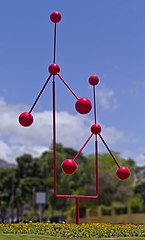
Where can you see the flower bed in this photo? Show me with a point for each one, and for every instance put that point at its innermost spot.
(73, 230)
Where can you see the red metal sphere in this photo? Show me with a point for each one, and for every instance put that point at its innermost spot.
(123, 172)
(25, 119)
(83, 105)
(93, 80)
(95, 129)
(54, 69)
(55, 17)
(69, 166)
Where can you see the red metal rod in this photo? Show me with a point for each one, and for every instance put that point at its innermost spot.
(40, 93)
(96, 156)
(54, 47)
(54, 152)
(67, 86)
(77, 210)
(75, 196)
(95, 111)
(83, 146)
(54, 116)
(54, 134)
(109, 151)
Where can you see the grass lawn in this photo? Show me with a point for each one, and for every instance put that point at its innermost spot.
(40, 237)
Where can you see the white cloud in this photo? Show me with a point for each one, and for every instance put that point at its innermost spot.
(114, 136)
(107, 98)
(15, 140)
(4, 150)
(72, 131)
(139, 158)
(115, 139)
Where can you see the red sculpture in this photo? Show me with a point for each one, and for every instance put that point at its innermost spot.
(83, 106)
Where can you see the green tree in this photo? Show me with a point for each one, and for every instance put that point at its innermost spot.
(33, 172)
(110, 187)
(6, 184)
(28, 175)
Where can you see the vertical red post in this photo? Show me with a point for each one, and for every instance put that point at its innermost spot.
(54, 134)
(96, 157)
(77, 210)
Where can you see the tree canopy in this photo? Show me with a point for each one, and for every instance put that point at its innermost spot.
(17, 184)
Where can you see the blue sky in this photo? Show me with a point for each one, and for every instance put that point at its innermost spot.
(97, 37)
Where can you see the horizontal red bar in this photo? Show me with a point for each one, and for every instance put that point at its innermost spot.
(75, 196)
